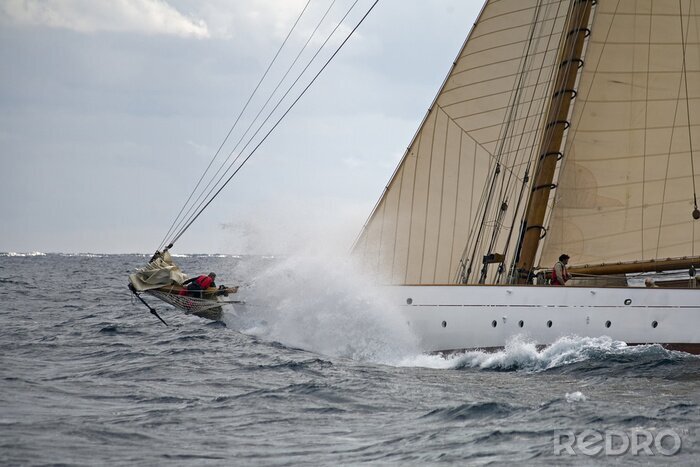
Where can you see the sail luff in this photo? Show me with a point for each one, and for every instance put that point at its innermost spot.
(557, 123)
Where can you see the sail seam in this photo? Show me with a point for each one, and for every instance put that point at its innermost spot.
(657, 72)
(670, 15)
(396, 225)
(606, 158)
(492, 156)
(442, 194)
(613, 130)
(499, 62)
(512, 13)
(484, 96)
(622, 101)
(396, 237)
(476, 84)
(454, 224)
(508, 44)
(491, 111)
(427, 198)
(621, 209)
(410, 217)
(646, 124)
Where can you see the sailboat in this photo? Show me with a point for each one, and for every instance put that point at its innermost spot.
(563, 127)
(163, 279)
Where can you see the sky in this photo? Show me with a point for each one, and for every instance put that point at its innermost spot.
(110, 111)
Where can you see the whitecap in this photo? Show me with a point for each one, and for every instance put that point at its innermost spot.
(521, 354)
(576, 396)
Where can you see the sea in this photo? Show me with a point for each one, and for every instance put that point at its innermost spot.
(312, 369)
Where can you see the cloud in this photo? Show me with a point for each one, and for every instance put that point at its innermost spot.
(152, 17)
(261, 21)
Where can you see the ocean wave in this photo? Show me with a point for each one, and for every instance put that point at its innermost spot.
(522, 355)
(471, 411)
(21, 255)
(82, 255)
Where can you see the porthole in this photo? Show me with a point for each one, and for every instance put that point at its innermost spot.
(654, 324)
(521, 323)
(628, 301)
(607, 324)
(549, 323)
(444, 324)
(409, 301)
(494, 323)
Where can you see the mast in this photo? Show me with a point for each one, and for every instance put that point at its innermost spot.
(557, 123)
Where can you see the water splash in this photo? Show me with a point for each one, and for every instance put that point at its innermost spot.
(520, 354)
(324, 305)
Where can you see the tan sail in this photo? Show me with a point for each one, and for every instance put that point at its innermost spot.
(487, 115)
(627, 183)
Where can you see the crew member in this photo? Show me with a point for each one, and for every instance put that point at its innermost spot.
(197, 285)
(560, 275)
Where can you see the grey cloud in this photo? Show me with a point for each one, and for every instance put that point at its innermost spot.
(88, 16)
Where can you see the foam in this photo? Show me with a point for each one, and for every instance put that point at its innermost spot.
(520, 354)
(21, 255)
(324, 305)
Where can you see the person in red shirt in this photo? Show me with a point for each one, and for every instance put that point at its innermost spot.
(197, 285)
(560, 275)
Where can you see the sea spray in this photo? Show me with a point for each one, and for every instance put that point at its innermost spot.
(521, 354)
(322, 304)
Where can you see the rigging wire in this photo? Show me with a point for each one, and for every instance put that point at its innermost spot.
(250, 98)
(204, 194)
(523, 72)
(533, 148)
(261, 125)
(548, 135)
(527, 64)
(291, 106)
(509, 120)
(668, 158)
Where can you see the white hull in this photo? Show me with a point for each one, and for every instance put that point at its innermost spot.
(447, 318)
